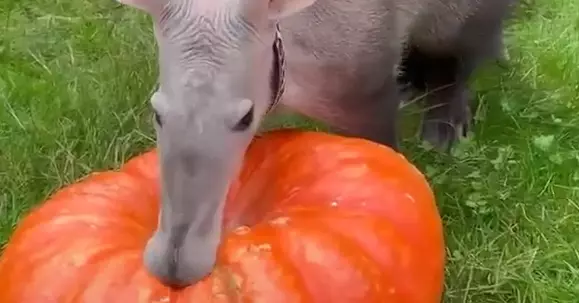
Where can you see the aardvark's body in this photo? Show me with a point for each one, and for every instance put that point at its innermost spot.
(219, 76)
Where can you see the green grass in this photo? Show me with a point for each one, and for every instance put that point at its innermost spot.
(75, 77)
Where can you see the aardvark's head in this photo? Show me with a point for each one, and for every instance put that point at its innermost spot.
(216, 68)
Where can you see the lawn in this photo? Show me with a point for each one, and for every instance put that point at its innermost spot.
(75, 78)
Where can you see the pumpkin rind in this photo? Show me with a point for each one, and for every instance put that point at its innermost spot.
(313, 217)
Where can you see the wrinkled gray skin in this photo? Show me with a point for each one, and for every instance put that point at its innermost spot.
(215, 63)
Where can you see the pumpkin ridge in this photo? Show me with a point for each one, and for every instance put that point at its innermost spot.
(357, 268)
(93, 271)
(95, 191)
(337, 154)
(90, 269)
(126, 271)
(33, 256)
(256, 254)
(80, 225)
(321, 187)
(387, 235)
(405, 218)
(120, 187)
(87, 223)
(56, 252)
(95, 200)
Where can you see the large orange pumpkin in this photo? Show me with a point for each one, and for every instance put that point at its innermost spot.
(313, 217)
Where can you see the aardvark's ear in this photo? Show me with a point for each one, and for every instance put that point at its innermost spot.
(152, 7)
(279, 9)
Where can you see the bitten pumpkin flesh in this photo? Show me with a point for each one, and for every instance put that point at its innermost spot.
(313, 217)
